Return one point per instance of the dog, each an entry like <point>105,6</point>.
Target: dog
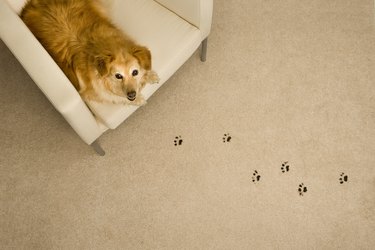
<point>104,64</point>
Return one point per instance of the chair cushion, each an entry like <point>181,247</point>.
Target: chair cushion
<point>171,40</point>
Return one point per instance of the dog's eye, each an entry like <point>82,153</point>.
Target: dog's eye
<point>135,72</point>
<point>118,76</point>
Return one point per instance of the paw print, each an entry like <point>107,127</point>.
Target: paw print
<point>343,178</point>
<point>226,138</point>
<point>285,167</point>
<point>178,140</point>
<point>256,176</point>
<point>302,189</point>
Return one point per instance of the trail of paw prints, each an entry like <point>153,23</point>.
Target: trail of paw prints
<point>302,189</point>
<point>227,138</point>
<point>256,176</point>
<point>178,140</point>
<point>343,178</point>
<point>285,167</point>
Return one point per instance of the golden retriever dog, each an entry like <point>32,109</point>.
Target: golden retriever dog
<point>103,63</point>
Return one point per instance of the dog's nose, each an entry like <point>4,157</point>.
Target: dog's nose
<point>132,95</point>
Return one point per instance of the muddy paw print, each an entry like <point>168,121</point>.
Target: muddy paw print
<point>285,167</point>
<point>226,138</point>
<point>343,178</point>
<point>302,189</point>
<point>178,140</point>
<point>256,176</point>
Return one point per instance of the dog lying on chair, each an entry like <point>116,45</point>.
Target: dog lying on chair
<point>102,62</point>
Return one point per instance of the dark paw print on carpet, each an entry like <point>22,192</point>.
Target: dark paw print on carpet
<point>285,167</point>
<point>178,141</point>
<point>256,176</point>
<point>302,189</point>
<point>343,178</point>
<point>226,138</point>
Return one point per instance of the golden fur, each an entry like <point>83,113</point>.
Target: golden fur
<point>102,62</point>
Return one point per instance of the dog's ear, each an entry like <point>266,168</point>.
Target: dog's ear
<point>102,63</point>
<point>143,56</point>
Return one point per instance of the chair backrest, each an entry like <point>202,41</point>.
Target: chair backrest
<point>190,10</point>
<point>17,5</point>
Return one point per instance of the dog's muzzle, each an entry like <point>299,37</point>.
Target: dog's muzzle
<point>131,95</point>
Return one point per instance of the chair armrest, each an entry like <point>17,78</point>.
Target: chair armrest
<point>46,74</point>
<point>196,12</point>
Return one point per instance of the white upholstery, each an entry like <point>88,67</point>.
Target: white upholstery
<point>197,13</point>
<point>17,5</point>
<point>172,30</point>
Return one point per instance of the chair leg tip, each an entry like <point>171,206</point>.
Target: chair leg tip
<point>98,149</point>
<point>204,50</point>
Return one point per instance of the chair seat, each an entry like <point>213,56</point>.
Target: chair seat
<point>171,39</point>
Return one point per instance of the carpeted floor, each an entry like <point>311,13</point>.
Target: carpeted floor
<point>267,145</point>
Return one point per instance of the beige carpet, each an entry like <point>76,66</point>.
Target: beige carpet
<point>287,91</point>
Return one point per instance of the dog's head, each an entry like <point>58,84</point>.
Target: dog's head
<point>122,71</point>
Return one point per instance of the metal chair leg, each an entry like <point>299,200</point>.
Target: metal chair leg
<point>204,50</point>
<point>98,149</point>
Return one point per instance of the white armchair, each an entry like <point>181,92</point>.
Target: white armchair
<point>171,29</point>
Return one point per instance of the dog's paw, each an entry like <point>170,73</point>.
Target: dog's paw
<point>152,77</point>
<point>139,101</point>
